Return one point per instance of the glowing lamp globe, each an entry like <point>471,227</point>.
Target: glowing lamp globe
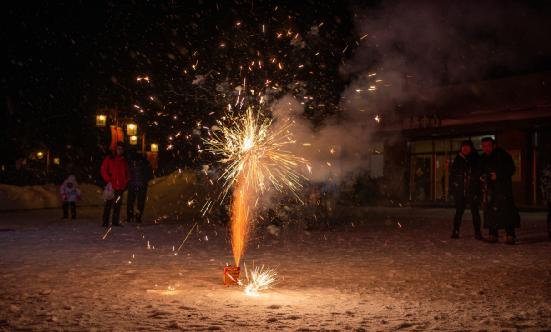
<point>101,120</point>
<point>133,140</point>
<point>131,129</point>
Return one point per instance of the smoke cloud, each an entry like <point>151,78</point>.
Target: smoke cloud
<point>338,149</point>
<point>405,48</point>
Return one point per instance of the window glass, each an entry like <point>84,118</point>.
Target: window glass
<point>421,147</point>
<point>442,145</point>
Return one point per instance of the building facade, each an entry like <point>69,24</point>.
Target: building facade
<point>424,138</point>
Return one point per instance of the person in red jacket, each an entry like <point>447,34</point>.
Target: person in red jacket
<point>114,171</point>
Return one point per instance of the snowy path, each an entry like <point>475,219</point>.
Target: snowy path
<point>390,270</point>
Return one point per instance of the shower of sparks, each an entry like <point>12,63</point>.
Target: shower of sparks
<point>259,279</point>
<point>254,152</point>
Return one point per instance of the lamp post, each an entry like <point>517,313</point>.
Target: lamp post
<point>40,156</point>
<point>153,156</point>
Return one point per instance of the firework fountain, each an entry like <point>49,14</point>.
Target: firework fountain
<point>253,150</point>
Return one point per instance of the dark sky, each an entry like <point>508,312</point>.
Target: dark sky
<point>448,42</point>
<point>66,60</point>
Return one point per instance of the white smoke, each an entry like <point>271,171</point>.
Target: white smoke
<point>337,149</point>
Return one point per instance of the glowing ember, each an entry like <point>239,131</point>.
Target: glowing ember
<point>259,279</point>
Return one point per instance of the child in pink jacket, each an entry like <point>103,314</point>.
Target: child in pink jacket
<point>70,194</point>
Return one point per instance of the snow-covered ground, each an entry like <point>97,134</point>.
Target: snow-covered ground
<point>386,269</point>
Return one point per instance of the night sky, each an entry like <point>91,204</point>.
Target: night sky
<point>67,60</point>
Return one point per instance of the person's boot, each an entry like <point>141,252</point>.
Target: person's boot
<point>138,218</point>
<point>510,239</point>
<point>455,234</point>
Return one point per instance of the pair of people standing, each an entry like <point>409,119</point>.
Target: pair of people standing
<point>487,180</point>
<point>121,174</point>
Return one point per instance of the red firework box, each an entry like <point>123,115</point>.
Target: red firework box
<point>231,275</point>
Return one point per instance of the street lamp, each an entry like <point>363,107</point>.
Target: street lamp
<point>132,130</point>
<point>101,120</point>
<point>154,147</point>
<point>40,155</point>
<point>133,140</point>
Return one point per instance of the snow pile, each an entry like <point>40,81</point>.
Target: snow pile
<point>175,194</point>
<point>167,195</point>
<point>43,196</point>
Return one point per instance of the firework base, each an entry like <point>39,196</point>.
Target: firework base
<point>231,275</point>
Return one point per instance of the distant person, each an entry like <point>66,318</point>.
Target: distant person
<point>70,194</point>
<point>312,209</point>
<point>465,187</point>
<point>497,169</point>
<point>329,195</point>
<point>546,191</point>
<point>140,174</point>
<point>114,171</point>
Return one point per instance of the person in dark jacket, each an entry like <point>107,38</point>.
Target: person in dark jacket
<point>140,174</point>
<point>546,191</point>
<point>114,171</point>
<point>497,169</point>
<point>465,187</point>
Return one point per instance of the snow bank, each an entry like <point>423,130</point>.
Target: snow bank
<point>167,195</point>
<point>175,194</point>
<point>42,197</point>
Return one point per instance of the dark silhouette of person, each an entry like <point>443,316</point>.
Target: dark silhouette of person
<point>546,191</point>
<point>140,174</point>
<point>497,169</point>
<point>465,187</point>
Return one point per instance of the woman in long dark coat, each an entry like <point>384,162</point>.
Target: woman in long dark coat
<point>497,168</point>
